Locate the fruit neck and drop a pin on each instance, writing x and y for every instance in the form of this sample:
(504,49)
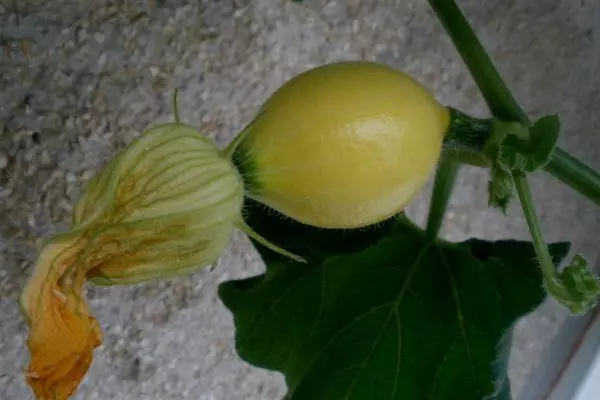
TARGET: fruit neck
(466,137)
(467,131)
(246,167)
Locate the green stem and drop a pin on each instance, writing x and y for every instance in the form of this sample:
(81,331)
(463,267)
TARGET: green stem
(465,139)
(501,102)
(495,92)
(244,227)
(232,146)
(175,101)
(575,287)
(575,174)
(442,189)
(466,130)
(526,198)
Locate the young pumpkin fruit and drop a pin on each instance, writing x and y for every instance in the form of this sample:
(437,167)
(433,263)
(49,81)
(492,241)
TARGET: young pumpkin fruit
(344,145)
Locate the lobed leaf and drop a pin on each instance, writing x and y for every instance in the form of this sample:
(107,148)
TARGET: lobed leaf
(400,319)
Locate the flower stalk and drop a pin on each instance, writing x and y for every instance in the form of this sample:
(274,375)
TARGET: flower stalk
(576,288)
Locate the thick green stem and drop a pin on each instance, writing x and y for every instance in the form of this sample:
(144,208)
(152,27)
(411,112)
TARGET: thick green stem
(495,92)
(575,174)
(442,189)
(468,131)
(467,135)
(500,101)
(465,139)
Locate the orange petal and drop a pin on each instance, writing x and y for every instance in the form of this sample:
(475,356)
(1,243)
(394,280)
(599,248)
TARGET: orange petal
(63,334)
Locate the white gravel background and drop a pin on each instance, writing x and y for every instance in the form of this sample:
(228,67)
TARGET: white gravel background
(80,79)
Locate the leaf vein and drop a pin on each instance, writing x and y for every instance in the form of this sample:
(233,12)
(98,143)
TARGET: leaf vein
(319,316)
(267,310)
(461,321)
(405,287)
(398,355)
(364,363)
(439,368)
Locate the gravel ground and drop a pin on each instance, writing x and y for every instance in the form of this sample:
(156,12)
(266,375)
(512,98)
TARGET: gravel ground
(79,80)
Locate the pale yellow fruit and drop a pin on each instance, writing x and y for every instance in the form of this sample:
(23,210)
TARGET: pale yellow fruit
(342,146)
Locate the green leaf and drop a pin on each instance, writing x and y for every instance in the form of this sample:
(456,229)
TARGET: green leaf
(533,151)
(513,148)
(514,268)
(500,186)
(543,139)
(401,319)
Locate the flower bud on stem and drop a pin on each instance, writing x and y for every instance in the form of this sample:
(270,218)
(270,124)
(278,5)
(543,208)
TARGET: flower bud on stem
(575,287)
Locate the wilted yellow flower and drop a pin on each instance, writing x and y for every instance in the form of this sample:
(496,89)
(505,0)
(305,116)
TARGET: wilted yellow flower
(165,205)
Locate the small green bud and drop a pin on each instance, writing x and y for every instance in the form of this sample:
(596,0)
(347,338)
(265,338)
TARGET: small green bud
(575,287)
(500,188)
(164,206)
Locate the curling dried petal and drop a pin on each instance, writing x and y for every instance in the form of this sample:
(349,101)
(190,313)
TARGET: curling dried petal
(63,335)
